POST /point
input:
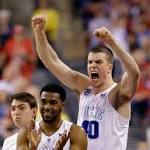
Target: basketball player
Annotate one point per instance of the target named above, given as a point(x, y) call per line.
point(32, 136)
point(23, 110)
point(104, 106)
point(50, 129)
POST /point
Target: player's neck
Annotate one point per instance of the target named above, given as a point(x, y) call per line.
point(50, 128)
point(103, 86)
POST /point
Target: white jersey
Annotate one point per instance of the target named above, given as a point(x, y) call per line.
point(10, 142)
point(49, 142)
point(105, 127)
point(46, 143)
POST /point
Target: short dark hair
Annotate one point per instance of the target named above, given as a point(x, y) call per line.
point(24, 97)
point(55, 88)
point(100, 48)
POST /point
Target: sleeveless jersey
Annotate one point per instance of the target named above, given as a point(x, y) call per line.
point(49, 142)
point(105, 127)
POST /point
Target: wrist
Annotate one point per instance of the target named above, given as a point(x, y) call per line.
point(33, 147)
point(112, 42)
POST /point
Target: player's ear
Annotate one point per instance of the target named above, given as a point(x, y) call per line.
point(110, 66)
point(34, 110)
point(63, 103)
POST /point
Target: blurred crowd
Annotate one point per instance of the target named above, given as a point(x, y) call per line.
point(21, 69)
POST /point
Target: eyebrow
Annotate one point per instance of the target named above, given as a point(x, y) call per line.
point(18, 105)
point(49, 99)
point(95, 60)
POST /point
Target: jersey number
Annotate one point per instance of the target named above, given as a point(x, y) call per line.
point(91, 128)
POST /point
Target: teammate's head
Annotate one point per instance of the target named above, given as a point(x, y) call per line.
point(103, 49)
point(100, 64)
point(52, 97)
point(23, 108)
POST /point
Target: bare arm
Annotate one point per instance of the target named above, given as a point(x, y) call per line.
point(67, 76)
point(130, 79)
point(78, 138)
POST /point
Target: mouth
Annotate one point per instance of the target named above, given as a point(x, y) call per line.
point(47, 113)
point(17, 119)
point(94, 75)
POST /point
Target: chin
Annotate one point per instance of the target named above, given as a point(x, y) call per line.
point(18, 125)
point(49, 120)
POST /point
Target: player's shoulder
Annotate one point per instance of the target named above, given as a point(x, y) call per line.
point(76, 129)
point(10, 141)
point(67, 122)
point(11, 138)
point(66, 125)
point(77, 133)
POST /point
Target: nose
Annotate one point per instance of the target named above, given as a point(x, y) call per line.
point(47, 106)
point(93, 65)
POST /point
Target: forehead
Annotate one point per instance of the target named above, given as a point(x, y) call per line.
point(50, 95)
point(16, 103)
point(97, 56)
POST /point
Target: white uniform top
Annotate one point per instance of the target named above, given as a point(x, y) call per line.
point(10, 142)
point(49, 142)
point(106, 128)
point(46, 143)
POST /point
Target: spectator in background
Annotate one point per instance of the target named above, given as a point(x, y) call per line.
point(19, 49)
point(119, 29)
point(52, 20)
point(99, 19)
point(8, 127)
point(5, 26)
point(141, 105)
point(52, 23)
point(5, 33)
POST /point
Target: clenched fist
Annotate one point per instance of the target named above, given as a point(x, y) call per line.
point(38, 23)
point(104, 34)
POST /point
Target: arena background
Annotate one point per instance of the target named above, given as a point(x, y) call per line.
point(69, 29)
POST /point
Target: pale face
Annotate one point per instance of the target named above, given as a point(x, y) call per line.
point(98, 68)
point(21, 113)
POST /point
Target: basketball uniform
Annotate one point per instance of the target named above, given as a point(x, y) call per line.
point(46, 143)
point(10, 142)
point(105, 127)
point(49, 142)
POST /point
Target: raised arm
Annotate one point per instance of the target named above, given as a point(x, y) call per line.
point(67, 76)
point(78, 138)
point(130, 79)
